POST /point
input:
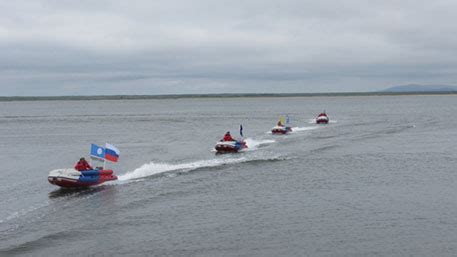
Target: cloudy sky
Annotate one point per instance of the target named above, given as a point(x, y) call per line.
point(90, 47)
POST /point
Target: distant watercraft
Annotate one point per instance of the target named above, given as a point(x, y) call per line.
point(281, 130)
point(282, 127)
point(322, 118)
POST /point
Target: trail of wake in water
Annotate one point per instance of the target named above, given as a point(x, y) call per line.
point(254, 144)
point(154, 168)
point(299, 129)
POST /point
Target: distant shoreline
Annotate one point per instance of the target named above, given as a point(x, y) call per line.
point(190, 96)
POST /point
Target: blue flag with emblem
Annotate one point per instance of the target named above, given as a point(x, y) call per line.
point(97, 152)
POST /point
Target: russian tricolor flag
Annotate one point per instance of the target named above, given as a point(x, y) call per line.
point(111, 153)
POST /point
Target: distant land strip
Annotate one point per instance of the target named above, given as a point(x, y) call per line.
point(183, 96)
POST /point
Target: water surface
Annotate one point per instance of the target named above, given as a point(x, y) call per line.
point(378, 180)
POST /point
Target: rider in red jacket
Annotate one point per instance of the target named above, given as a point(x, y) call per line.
point(83, 165)
point(228, 137)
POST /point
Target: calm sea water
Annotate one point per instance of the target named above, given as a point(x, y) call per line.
point(379, 180)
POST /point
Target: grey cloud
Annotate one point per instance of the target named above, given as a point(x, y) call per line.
point(154, 47)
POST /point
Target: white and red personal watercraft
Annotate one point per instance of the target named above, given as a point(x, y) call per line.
point(322, 118)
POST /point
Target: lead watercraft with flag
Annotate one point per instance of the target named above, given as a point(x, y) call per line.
point(72, 178)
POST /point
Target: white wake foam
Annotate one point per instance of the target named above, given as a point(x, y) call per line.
point(153, 168)
point(254, 144)
point(298, 129)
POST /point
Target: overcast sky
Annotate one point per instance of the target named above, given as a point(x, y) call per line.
point(87, 47)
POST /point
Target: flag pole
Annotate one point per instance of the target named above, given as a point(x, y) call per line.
point(241, 132)
point(104, 159)
point(90, 156)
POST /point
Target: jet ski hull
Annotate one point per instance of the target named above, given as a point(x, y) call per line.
point(230, 146)
point(70, 178)
point(281, 130)
point(322, 119)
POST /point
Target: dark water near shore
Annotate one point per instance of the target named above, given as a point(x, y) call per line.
point(380, 180)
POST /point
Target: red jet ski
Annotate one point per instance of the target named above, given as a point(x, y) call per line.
point(322, 118)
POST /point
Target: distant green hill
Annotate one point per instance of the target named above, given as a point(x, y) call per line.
point(421, 88)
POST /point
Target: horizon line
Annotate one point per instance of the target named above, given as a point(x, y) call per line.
point(216, 95)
